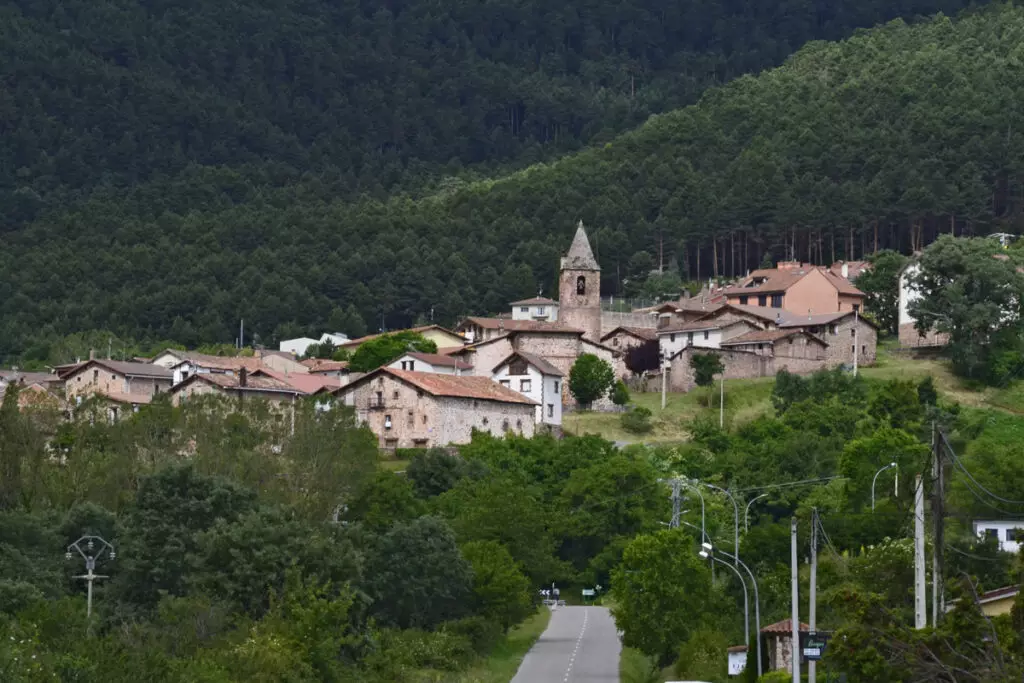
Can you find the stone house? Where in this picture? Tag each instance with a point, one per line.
(538, 308)
(121, 381)
(793, 350)
(708, 334)
(796, 287)
(738, 364)
(623, 338)
(243, 387)
(201, 364)
(432, 362)
(407, 409)
(778, 638)
(444, 338)
(848, 335)
(281, 362)
(538, 380)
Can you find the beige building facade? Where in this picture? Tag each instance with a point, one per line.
(134, 383)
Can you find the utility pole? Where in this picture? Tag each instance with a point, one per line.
(920, 606)
(938, 504)
(241, 333)
(812, 619)
(664, 382)
(91, 549)
(795, 584)
(677, 487)
(856, 324)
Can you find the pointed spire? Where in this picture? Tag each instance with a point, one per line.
(580, 257)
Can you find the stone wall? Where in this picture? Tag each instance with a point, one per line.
(738, 365)
(910, 338)
(612, 319)
(96, 379)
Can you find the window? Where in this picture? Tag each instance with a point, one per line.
(743, 300)
(835, 329)
(762, 300)
(671, 337)
(525, 385)
(95, 375)
(519, 425)
(1011, 534)
(411, 419)
(853, 349)
(853, 334)
(540, 310)
(864, 350)
(557, 387)
(506, 383)
(424, 419)
(615, 342)
(408, 365)
(504, 425)
(485, 420)
(551, 410)
(689, 337)
(387, 422)
(524, 309)
(856, 308)
(992, 533)
(394, 394)
(776, 301)
(581, 285)
(707, 333)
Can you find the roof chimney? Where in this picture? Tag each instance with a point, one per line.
(846, 270)
(243, 377)
(92, 354)
(808, 315)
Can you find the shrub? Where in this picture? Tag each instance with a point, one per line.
(637, 421)
(620, 394)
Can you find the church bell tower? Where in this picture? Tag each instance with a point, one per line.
(579, 288)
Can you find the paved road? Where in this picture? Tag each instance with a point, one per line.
(580, 645)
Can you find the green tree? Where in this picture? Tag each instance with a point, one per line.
(590, 378)
(971, 290)
(620, 393)
(662, 591)
(705, 366)
(434, 471)
(501, 592)
(385, 500)
(416, 575)
(382, 350)
(881, 284)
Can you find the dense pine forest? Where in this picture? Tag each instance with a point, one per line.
(166, 171)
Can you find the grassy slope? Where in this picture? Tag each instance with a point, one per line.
(503, 663)
(746, 399)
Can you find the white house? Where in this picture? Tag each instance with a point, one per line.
(297, 346)
(1010, 534)
(537, 308)
(203, 364)
(536, 379)
(432, 362)
(336, 338)
(707, 334)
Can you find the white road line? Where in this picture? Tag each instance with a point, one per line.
(579, 640)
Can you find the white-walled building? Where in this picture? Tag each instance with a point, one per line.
(538, 380)
(300, 345)
(435, 363)
(706, 334)
(538, 308)
(1009, 533)
(907, 333)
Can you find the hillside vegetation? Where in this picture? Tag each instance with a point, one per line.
(889, 137)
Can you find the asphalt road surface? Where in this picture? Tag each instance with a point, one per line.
(580, 645)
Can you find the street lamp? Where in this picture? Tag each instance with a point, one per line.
(897, 489)
(746, 514)
(735, 519)
(703, 532)
(90, 553)
(707, 552)
(757, 607)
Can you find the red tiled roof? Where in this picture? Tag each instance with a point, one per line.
(254, 382)
(853, 268)
(647, 333)
(451, 386)
(842, 284)
(535, 301)
(768, 336)
(536, 361)
(205, 360)
(124, 368)
(775, 280)
(306, 383)
(999, 593)
(783, 627)
(324, 365)
(449, 350)
(441, 360)
(135, 399)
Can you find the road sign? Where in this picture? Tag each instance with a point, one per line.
(814, 644)
(588, 592)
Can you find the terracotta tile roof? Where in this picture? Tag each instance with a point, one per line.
(774, 280)
(452, 386)
(28, 378)
(697, 325)
(126, 368)
(421, 330)
(520, 325)
(258, 382)
(303, 382)
(325, 365)
(768, 336)
(441, 360)
(763, 312)
(842, 284)
(696, 304)
(784, 627)
(535, 301)
(205, 360)
(999, 593)
(449, 350)
(646, 333)
(542, 364)
(134, 399)
(736, 648)
(853, 268)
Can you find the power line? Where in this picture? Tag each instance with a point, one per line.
(789, 484)
(970, 476)
(972, 556)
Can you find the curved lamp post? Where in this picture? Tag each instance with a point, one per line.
(746, 514)
(735, 520)
(706, 552)
(887, 467)
(703, 532)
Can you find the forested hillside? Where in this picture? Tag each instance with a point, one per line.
(366, 95)
(885, 139)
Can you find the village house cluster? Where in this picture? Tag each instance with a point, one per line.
(509, 373)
